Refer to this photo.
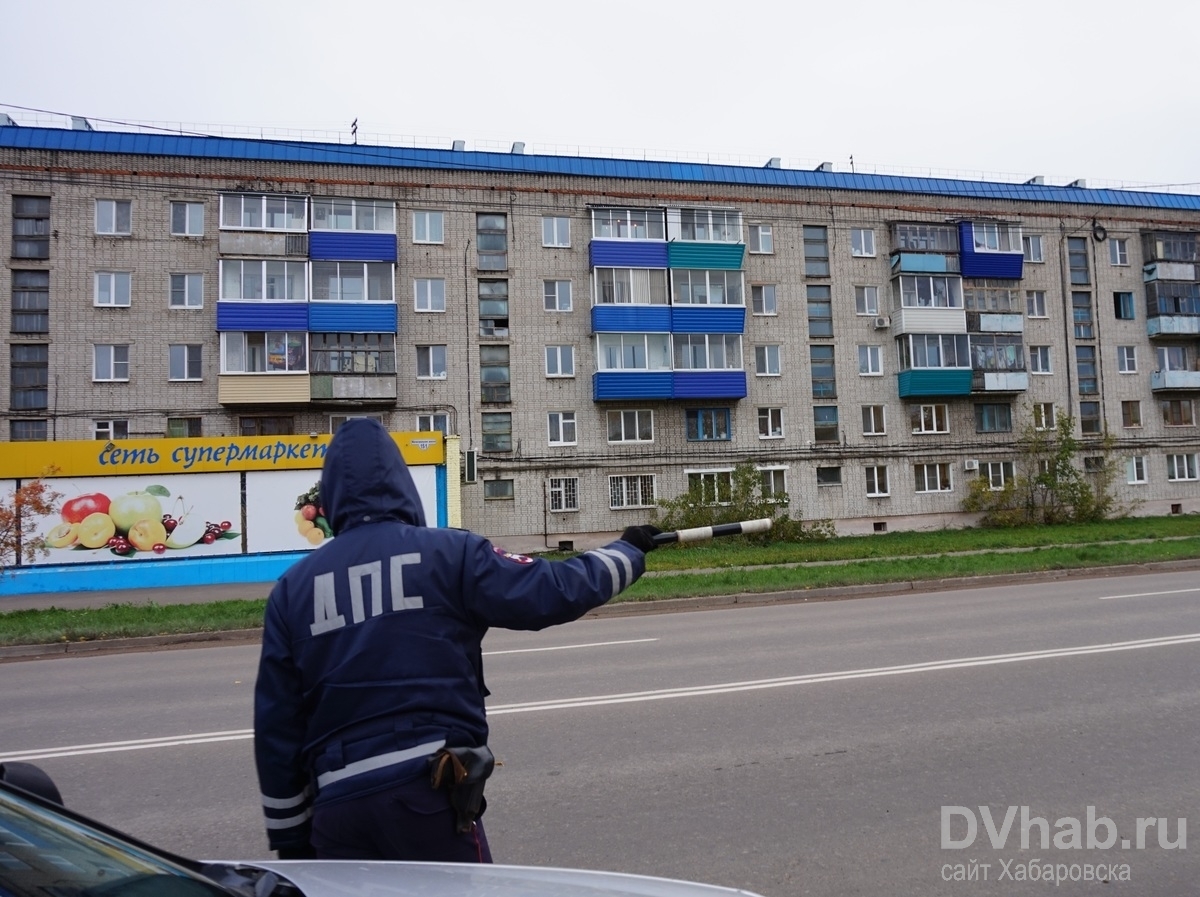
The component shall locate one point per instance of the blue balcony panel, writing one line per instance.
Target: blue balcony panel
(998, 265)
(719, 256)
(631, 318)
(1187, 381)
(708, 319)
(609, 385)
(352, 317)
(347, 246)
(627, 254)
(924, 263)
(926, 382)
(710, 385)
(1173, 325)
(262, 315)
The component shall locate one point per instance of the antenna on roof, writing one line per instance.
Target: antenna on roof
(354, 130)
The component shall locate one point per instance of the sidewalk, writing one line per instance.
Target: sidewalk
(165, 595)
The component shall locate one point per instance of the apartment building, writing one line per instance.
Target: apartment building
(598, 334)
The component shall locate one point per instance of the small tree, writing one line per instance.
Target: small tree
(20, 515)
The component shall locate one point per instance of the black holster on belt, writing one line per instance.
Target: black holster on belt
(462, 771)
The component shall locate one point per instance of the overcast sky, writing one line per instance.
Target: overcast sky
(1106, 91)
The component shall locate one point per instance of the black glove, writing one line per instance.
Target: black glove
(303, 852)
(641, 537)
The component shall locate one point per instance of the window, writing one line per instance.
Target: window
(266, 426)
(710, 225)
(870, 361)
(353, 353)
(1085, 367)
(110, 429)
(873, 420)
(184, 427)
(427, 227)
(634, 351)
(877, 481)
(997, 352)
(825, 423)
(31, 227)
(1182, 467)
(255, 211)
(498, 490)
(993, 418)
(631, 426)
(1177, 413)
(929, 418)
(1131, 414)
(1118, 251)
(820, 311)
(998, 473)
(862, 242)
(1043, 416)
(631, 491)
(562, 427)
(1171, 247)
(991, 296)
(30, 302)
(497, 431)
(1123, 306)
(701, 287)
(707, 351)
(491, 240)
(28, 430)
(114, 216)
(824, 376)
(431, 362)
(766, 360)
(1089, 418)
(713, 487)
(1031, 246)
(259, 352)
(707, 424)
(336, 420)
(362, 215)
(187, 219)
(932, 478)
(866, 300)
(770, 423)
(829, 476)
(1035, 303)
(1135, 469)
(928, 291)
(628, 224)
(429, 294)
(110, 362)
(1081, 309)
(926, 237)
(762, 299)
(1077, 260)
(631, 286)
(187, 291)
(1171, 358)
(773, 482)
(934, 350)
(29, 376)
(1093, 464)
(112, 289)
(556, 295)
(493, 308)
(560, 361)
(185, 362)
(438, 421)
(353, 282)
(1039, 360)
(556, 231)
(994, 237)
(260, 280)
(495, 376)
(816, 251)
(762, 240)
(564, 493)
(1127, 359)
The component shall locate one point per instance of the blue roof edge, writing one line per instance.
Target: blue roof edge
(249, 149)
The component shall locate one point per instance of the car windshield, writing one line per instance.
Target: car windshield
(43, 854)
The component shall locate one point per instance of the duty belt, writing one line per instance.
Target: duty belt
(380, 761)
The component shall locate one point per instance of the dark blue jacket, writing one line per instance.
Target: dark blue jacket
(371, 652)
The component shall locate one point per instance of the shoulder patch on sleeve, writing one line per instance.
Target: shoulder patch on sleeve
(518, 558)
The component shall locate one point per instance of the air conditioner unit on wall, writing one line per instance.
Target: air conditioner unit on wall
(970, 464)
(882, 322)
(470, 465)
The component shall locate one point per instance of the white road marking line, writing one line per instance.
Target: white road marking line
(631, 641)
(657, 695)
(1148, 594)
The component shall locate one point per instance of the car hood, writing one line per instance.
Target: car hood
(351, 878)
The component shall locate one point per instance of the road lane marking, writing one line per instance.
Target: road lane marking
(1148, 594)
(656, 695)
(630, 641)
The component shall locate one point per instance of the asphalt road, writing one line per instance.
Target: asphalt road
(792, 750)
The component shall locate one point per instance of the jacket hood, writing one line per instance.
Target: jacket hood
(365, 479)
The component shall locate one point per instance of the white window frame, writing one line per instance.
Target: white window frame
(1040, 360)
(328, 213)
(1183, 467)
(773, 482)
(556, 231)
(193, 219)
(1118, 252)
(431, 364)
(1044, 416)
(761, 239)
(119, 288)
(556, 295)
(429, 295)
(295, 216)
(561, 428)
(108, 430)
(866, 301)
(721, 480)
(877, 481)
(874, 420)
(633, 351)
(563, 493)
(188, 350)
(870, 360)
(343, 274)
(719, 287)
(998, 473)
(949, 296)
(945, 484)
(294, 280)
(763, 299)
(560, 361)
(1127, 359)
(114, 358)
(424, 222)
(768, 360)
(1135, 470)
(109, 215)
(621, 489)
(629, 224)
(688, 347)
(862, 242)
(436, 421)
(1031, 248)
(991, 236)
(625, 424)
(1035, 304)
(192, 292)
(770, 423)
(940, 415)
(630, 286)
(236, 344)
